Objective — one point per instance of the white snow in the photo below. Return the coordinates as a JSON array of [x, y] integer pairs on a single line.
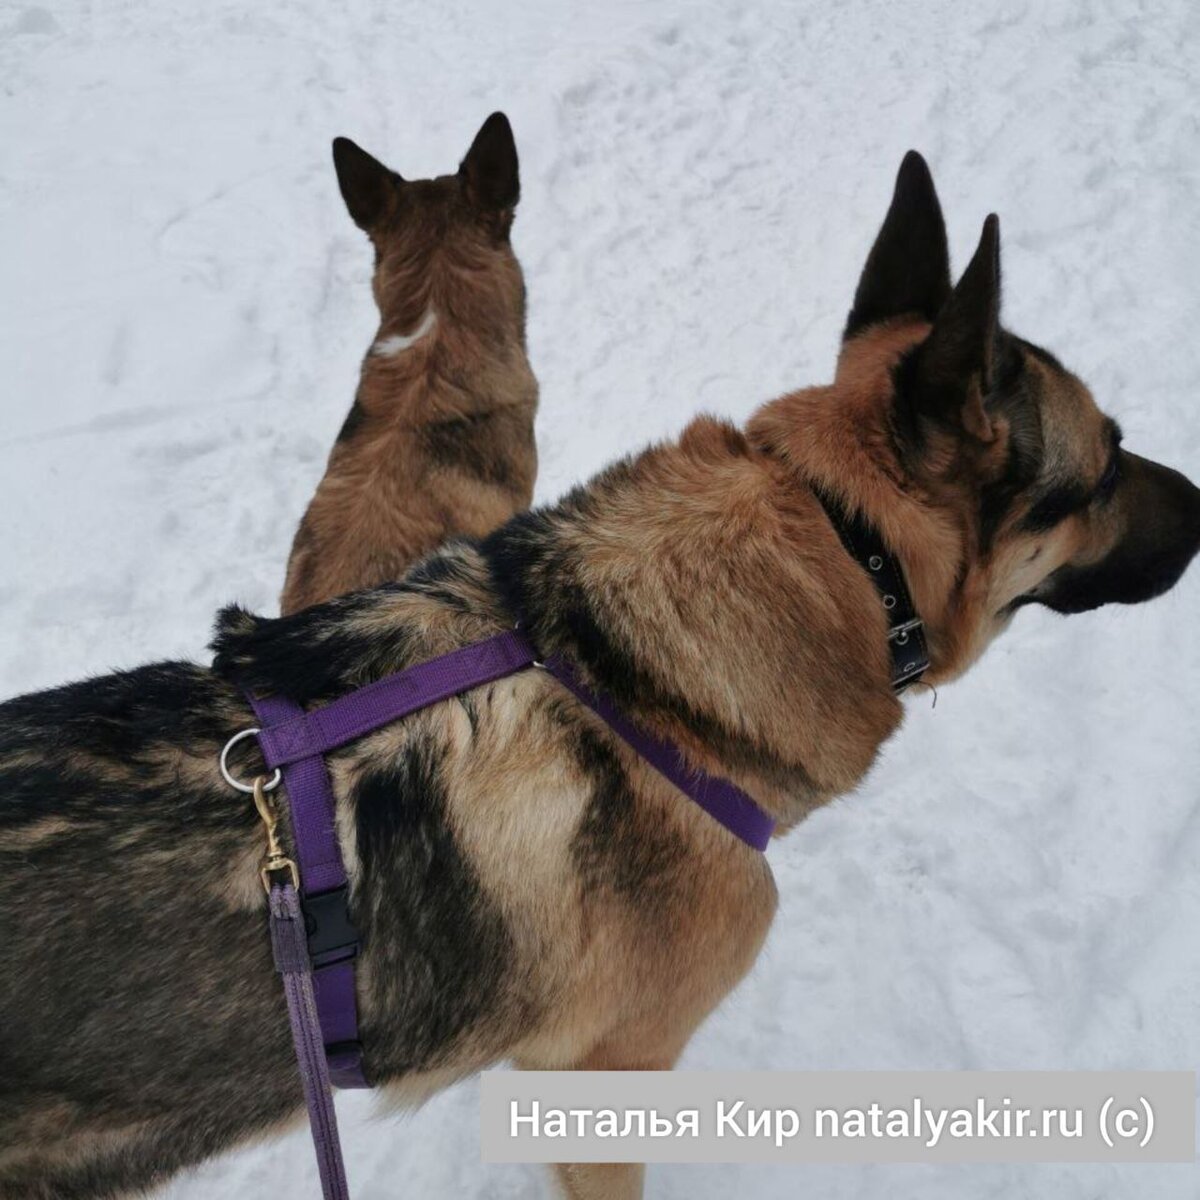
[[184, 305]]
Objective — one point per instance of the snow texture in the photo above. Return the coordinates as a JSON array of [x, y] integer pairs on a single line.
[[185, 303]]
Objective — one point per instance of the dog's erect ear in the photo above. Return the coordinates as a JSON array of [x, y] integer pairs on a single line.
[[368, 187], [489, 171], [908, 269], [952, 370]]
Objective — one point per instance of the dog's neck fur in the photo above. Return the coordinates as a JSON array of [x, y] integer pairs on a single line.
[[389, 345], [452, 326], [843, 438]]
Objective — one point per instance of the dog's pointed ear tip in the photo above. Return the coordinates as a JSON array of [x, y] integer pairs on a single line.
[[989, 237], [496, 129], [346, 152], [914, 171]]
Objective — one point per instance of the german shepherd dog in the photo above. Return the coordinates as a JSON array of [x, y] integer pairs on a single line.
[[439, 441], [526, 886]]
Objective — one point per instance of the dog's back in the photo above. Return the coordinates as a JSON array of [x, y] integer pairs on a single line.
[[439, 441]]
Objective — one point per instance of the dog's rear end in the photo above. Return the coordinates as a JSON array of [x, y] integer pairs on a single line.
[[121, 856], [439, 441]]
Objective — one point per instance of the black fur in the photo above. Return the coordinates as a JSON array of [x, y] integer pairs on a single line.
[[107, 870], [312, 655], [439, 941], [489, 170], [136, 997], [961, 349], [1015, 398], [1056, 505], [468, 444], [615, 847], [1146, 562], [908, 269], [367, 186]]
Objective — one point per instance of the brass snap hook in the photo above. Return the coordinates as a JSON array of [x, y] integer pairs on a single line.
[[275, 859]]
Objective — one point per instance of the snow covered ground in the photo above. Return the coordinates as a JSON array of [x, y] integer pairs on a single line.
[[184, 301]]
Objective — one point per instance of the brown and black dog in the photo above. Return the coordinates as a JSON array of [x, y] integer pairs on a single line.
[[439, 441], [526, 886]]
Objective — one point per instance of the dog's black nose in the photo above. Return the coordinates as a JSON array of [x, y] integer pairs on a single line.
[[1173, 527]]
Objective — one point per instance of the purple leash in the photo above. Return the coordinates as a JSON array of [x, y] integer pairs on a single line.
[[314, 939], [290, 946]]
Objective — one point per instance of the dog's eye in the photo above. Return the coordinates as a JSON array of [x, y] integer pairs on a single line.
[[1110, 478]]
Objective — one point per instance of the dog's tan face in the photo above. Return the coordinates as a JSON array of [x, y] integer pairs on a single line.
[[1023, 491], [466, 216]]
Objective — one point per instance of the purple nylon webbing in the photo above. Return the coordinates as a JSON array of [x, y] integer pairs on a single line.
[[319, 856], [312, 818], [396, 696], [723, 801]]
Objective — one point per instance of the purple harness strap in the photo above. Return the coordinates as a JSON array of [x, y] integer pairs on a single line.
[[296, 742], [296, 739], [389, 699], [332, 943], [726, 804]]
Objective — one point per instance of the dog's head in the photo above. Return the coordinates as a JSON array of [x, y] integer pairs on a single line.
[[461, 220], [994, 471]]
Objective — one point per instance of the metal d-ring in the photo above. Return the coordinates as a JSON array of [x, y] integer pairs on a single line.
[[248, 788]]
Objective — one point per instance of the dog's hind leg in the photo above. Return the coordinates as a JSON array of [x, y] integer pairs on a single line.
[[601, 1181]]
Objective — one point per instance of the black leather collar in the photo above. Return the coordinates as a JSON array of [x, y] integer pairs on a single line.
[[906, 632]]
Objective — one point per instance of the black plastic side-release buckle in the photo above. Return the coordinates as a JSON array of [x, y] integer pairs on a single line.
[[331, 933]]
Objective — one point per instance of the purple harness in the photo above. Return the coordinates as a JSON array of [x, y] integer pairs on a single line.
[[317, 961]]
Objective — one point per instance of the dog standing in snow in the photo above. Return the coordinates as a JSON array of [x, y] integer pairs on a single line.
[[525, 885], [439, 440]]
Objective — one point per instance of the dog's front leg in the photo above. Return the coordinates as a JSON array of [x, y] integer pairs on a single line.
[[616, 1181], [601, 1181]]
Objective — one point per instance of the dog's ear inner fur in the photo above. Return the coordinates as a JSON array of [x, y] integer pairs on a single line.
[[367, 186], [908, 269], [949, 375], [489, 171]]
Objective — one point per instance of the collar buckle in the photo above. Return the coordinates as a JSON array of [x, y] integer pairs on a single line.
[[899, 633]]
